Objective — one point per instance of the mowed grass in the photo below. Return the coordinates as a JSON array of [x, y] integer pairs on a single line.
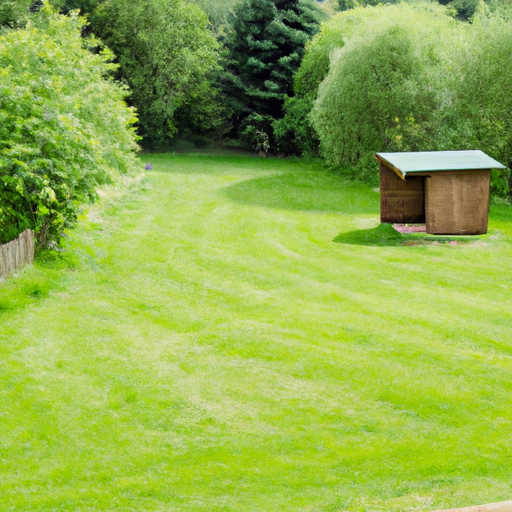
[[238, 334]]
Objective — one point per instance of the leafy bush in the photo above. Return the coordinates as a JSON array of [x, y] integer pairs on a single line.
[[345, 5], [295, 133], [64, 127], [413, 79], [12, 12], [465, 8], [167, 56], [257, 132], [393, 71], [481, 116], [85, 6]]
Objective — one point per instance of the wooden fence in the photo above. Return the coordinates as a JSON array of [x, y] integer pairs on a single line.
[[17, 253]]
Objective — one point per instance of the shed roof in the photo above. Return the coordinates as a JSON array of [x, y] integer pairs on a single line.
[[432, 161]]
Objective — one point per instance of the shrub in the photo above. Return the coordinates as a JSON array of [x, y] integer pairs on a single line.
[[390, 75], [64, 127], [256, 132], [481, 116], [295, 133], [13, 12], [167, 56]]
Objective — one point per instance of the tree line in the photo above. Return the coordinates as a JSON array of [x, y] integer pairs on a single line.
[[278, 76]]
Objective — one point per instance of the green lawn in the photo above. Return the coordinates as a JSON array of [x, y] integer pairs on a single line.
[[238, 334]]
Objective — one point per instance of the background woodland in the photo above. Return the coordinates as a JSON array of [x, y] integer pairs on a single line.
[[86, 83]]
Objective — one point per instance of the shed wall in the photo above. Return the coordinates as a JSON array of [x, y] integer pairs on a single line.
[[457, 203], [401, 201]]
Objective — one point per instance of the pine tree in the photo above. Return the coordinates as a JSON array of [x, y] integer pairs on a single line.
[[264, 50]]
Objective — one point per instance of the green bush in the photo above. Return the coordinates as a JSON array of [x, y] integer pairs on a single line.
[[295, 133], [413, 79], [64, 127], [167, 56], [13, 12], [481, 116], [465, 8], [473, 107], [388, 75]]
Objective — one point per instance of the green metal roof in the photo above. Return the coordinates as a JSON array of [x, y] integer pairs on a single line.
[[432, 161]]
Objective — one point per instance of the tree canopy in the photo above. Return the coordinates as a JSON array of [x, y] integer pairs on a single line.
[[264, 50], [166, 55], [412, 78]]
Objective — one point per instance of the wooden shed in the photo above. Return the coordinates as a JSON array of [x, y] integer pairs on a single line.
[[446, 190]]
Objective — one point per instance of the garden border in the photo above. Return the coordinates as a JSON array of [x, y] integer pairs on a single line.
[[17, 253], [503, 506]]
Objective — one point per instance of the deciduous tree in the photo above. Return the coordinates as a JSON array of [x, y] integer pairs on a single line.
[[166, 55], [64, 127]]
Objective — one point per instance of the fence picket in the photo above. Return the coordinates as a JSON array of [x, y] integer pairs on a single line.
[[17, 253]]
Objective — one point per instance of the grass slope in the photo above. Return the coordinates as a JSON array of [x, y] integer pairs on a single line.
[[236, 334]]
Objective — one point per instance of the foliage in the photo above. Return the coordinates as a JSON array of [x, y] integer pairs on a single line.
[[64, 127], [167, 56], [256, 132], [84, 6], [219, 13], [12, 12], [345, 5], [264, 49], [482, 112], [391, 71], [295, 132], [410, 79], [465, 8], [473, 109], [462, 9]]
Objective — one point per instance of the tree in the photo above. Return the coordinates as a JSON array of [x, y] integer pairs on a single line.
[[295, 133], [264, 50], [387, 88], [166, 55], [461, 9], [345, 5], [64, 126], [481, 116], [12, 12], [84, 6]]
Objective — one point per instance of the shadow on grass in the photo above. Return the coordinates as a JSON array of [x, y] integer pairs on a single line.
[[290, 184], [315, 191], [386, 235], [383, 234]]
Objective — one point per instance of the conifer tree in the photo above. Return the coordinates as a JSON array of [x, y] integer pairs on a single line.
[[264, 50]]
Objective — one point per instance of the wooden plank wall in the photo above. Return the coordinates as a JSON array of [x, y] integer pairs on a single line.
[[401, 201], [17, 253], [457, 203]]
